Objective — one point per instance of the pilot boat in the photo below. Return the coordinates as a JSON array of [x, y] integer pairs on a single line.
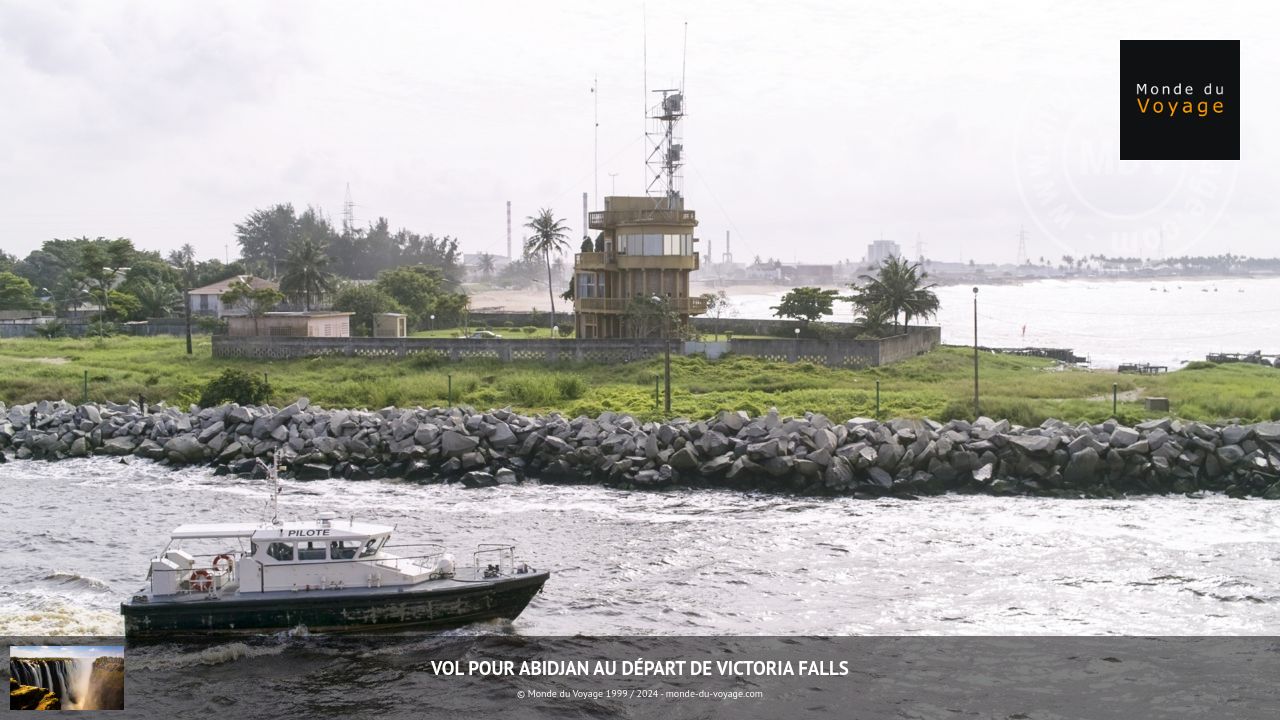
[[327, 574]]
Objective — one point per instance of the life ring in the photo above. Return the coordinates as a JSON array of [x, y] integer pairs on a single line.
[[230, 562], [201, 581]]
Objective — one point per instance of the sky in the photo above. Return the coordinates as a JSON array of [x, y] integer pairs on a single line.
[[813, 128], [66, 651]]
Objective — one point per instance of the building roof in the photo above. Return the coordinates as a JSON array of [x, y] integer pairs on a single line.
[[222, 286]]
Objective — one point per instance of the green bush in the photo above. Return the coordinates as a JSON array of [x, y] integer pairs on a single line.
[[211, 325], [101, 328], [570, 387], [50, 330], [235, 386]]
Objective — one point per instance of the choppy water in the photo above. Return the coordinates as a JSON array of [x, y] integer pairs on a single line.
[[1163, 322], [78, 535]]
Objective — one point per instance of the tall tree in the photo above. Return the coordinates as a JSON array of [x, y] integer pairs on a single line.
[[16, 293], [100, 269], [306, 271], [7, 261], [549, 236], [183, 256], [264, 236], [486, 264]]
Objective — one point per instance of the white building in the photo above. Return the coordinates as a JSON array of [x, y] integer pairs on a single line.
[[207, 300], [880, 250]]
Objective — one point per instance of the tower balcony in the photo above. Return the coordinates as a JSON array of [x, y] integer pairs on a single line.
[[680, 305], [615, 261]]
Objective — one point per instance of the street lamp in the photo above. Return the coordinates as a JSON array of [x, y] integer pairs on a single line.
[[433, 323], [666, 353], [976, 413], [796, 350]]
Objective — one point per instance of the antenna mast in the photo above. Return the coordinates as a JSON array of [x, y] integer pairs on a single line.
[[595, 96]]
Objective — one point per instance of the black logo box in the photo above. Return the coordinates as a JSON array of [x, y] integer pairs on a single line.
[[1189, 65]]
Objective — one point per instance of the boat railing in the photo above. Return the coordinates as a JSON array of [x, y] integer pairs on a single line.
[[494, 555]]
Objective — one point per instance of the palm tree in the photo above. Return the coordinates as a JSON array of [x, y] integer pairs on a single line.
[[549, 235], [486, 264], [159, 300], [896, 289], [182, 257], [306, 272]]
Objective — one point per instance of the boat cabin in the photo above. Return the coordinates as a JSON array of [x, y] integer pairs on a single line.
[[322, 554]]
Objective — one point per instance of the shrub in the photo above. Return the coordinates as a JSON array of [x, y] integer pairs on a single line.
[[235, 386], [528, 330], [1200, 365], [101, 328], [570, 387], [211, 325], [50, 330]]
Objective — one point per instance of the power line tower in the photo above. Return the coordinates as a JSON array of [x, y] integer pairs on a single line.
[[727, 258], [1022, 246], [348, 213]]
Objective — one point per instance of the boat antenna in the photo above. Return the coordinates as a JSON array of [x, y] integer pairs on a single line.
[[274, 474]]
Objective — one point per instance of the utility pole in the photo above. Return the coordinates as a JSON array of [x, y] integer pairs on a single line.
[[509, 256], [187, 299], [664, 304], [976, 412]]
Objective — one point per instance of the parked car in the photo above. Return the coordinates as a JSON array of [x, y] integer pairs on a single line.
[[484, 335]]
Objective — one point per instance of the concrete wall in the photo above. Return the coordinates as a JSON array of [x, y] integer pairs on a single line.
[[280, 348], [836, 353]]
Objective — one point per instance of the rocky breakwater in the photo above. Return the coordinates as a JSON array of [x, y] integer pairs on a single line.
[[809, 454]]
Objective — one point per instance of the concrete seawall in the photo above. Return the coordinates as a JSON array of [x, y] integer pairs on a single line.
[[810, 454]]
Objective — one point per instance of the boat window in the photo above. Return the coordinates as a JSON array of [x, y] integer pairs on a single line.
[[371, 547], [280, 551], [310, 552], [343, 549]]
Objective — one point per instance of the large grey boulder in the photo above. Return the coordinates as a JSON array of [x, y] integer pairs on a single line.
[[454, 443], [184, 448]]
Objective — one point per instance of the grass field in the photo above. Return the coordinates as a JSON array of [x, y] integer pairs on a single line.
[[937, 385]]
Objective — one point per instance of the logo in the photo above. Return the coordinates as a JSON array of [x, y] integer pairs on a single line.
[[1179, 99]]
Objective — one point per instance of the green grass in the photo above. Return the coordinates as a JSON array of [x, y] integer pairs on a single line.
[[937, 385]]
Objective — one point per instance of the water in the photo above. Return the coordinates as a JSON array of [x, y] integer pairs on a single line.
[[1163, 322], [79, 534]]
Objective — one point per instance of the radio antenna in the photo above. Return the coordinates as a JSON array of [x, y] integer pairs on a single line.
[[644, 66], [684, 55]]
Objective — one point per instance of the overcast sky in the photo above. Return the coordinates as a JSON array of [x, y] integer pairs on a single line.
[[813, 127]]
